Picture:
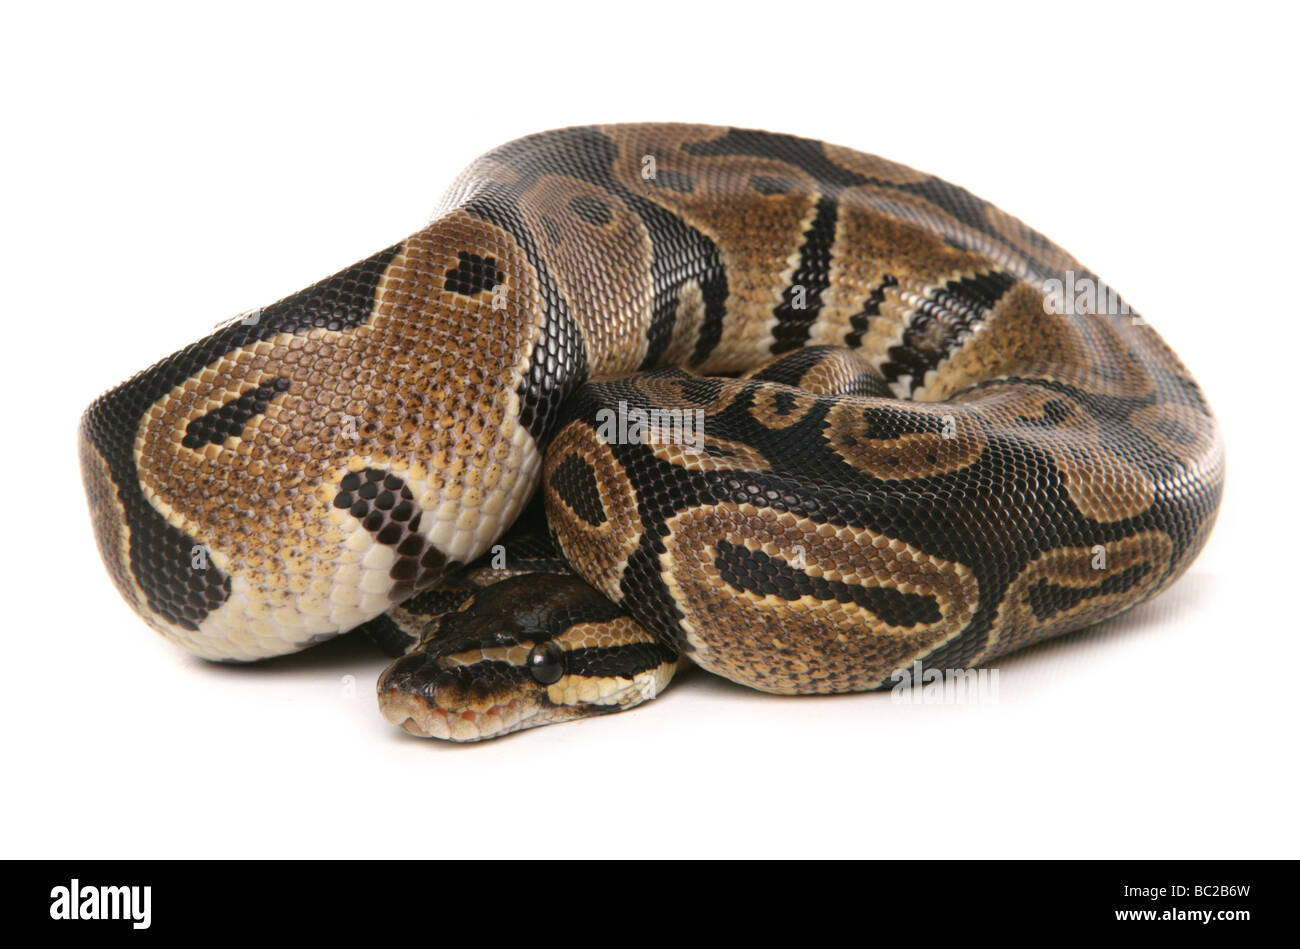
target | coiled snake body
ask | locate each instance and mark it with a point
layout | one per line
(800, 414)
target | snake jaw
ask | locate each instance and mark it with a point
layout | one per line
(440, 706)
(529, 708)
(419, 718)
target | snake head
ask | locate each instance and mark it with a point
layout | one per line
(524, 652)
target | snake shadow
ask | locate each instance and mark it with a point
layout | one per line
(354, 654)
(349, 653)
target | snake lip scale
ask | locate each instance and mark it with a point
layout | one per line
(648, 394)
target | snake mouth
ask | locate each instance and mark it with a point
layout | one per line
(417, 717)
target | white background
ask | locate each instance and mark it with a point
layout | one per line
(164, 170)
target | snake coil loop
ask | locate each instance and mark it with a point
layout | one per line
(802, 415)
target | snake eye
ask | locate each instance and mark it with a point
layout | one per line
(546, 662)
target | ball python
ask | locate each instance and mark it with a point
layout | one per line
(797, 414)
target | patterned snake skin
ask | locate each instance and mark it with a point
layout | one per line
(801, 415)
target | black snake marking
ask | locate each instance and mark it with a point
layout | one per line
(799, 414)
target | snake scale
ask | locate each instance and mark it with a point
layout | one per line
(798, 414)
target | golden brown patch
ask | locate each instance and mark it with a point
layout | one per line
(1103, 484)
(873, 166)
(598, 553)
(757, 233)
(1110, 364)
(810, 644)
(1073, 587)
(871, 246)
(620, 631)
(713, 454)
(425, 389)
(573, 223)
(841, 372)
(687, 323)
(778, 406)
(679, 430)
(956, 441)
(680, 391)
(1022, 339)
(1032, 245)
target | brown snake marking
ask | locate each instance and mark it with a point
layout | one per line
(908, 452)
